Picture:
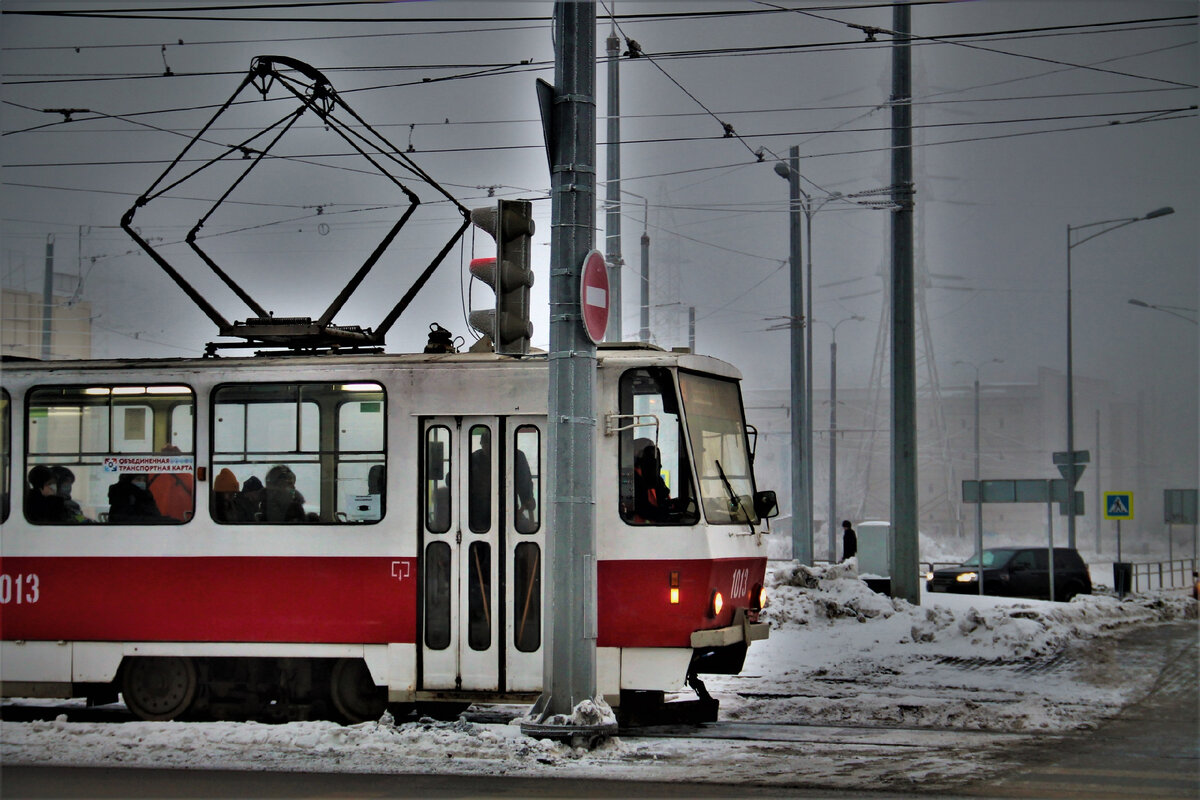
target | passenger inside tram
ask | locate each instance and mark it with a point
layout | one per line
(173, 491)
(130, 500)
(42, 503)
(226, 506)
(282, 502)
(65, 479)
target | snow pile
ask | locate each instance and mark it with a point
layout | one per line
(957, 625)
(594, 713)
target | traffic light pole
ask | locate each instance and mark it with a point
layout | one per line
(570, 634)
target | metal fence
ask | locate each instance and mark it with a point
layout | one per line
(1175, 574)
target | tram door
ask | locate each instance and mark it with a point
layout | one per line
(481, 552)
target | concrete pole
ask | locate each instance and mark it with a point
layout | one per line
(802, 538)
(979, 504)
(48, 298)
(644, 333)
(1072, 475)
(1098, 497)
(833, 448)
(612, 204)
(570, 630)
(906, 552)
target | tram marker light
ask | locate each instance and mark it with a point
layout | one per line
(715, 606)
(510, 223)
(673, 584)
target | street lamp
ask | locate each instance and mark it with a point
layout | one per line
(1172, 310)
(1109, 225)
(978, 486)
(801, 423)
(833, 434)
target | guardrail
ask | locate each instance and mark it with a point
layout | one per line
(1176, 574)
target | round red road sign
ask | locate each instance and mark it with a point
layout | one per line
(593, 296)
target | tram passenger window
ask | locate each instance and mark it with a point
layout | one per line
(437, 595)
(5, 458)
(437, 479)
(479, 601)
(479, 480)
(298, 453)
(111, 454)
(655, 477)
(527, 476)
(527, 614)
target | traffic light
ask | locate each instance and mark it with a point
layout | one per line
(510, 223)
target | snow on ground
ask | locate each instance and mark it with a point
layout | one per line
(994, 671)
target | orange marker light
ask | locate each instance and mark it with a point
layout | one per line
(673, 583)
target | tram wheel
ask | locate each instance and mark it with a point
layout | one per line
(354, 693)
(159, 688)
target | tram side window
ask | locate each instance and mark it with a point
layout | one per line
(299, 453)
(655, 478)
(437, 479)
(527, 479)
(5, 455)
(114, 454)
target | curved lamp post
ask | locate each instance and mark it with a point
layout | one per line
(801, 201)
(978, 486)
(1106, 226)
(1172, 310)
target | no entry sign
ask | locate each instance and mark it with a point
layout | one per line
(593, 296)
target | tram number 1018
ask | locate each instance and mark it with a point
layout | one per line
(19, 588)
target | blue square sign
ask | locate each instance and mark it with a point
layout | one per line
(1118, 505)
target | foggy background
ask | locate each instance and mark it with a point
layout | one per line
(1028, 117)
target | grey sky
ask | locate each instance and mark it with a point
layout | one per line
(992, 208)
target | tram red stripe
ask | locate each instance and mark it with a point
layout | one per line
(634, 599)
(209, 599)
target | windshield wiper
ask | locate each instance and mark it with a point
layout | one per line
(735, 502)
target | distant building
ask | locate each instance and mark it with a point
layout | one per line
(21, 320)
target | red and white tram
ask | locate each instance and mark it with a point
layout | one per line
(286, 536)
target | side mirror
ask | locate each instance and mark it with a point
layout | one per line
(765, 504)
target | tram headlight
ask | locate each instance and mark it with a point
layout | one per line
(758, 598)
(716, 604)
(762, 597)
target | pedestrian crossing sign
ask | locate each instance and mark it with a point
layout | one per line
(1118, 505)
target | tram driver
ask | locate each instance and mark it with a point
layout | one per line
(651, 496)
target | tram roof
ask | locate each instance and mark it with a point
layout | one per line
(619, 355)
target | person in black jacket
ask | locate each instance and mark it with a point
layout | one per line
(849, 541)
(130, 500)
(42, 503)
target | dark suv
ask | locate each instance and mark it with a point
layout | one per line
(1016, 572)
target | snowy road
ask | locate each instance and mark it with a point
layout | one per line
(880, 695)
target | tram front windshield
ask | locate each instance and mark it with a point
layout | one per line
(717, 430)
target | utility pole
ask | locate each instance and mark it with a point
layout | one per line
(48, 298)
(802, 538)
(569, 676)
(612, 204)
(905, 552)
(644, 333)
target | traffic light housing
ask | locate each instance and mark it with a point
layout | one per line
(510, 223)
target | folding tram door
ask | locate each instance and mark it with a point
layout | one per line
(481, 548)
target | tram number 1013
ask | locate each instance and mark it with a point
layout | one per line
(741, 583)
(19, 588)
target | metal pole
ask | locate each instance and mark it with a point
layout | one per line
(1050, 536)
(802, 539)
(833, 446)
(904, 397)
(644, 333)
(808, 362)
(978, 505)
(48, 298)
(612, 229)
(1071, 474)
(570, 632)
(692, 328)
(1098, 496)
